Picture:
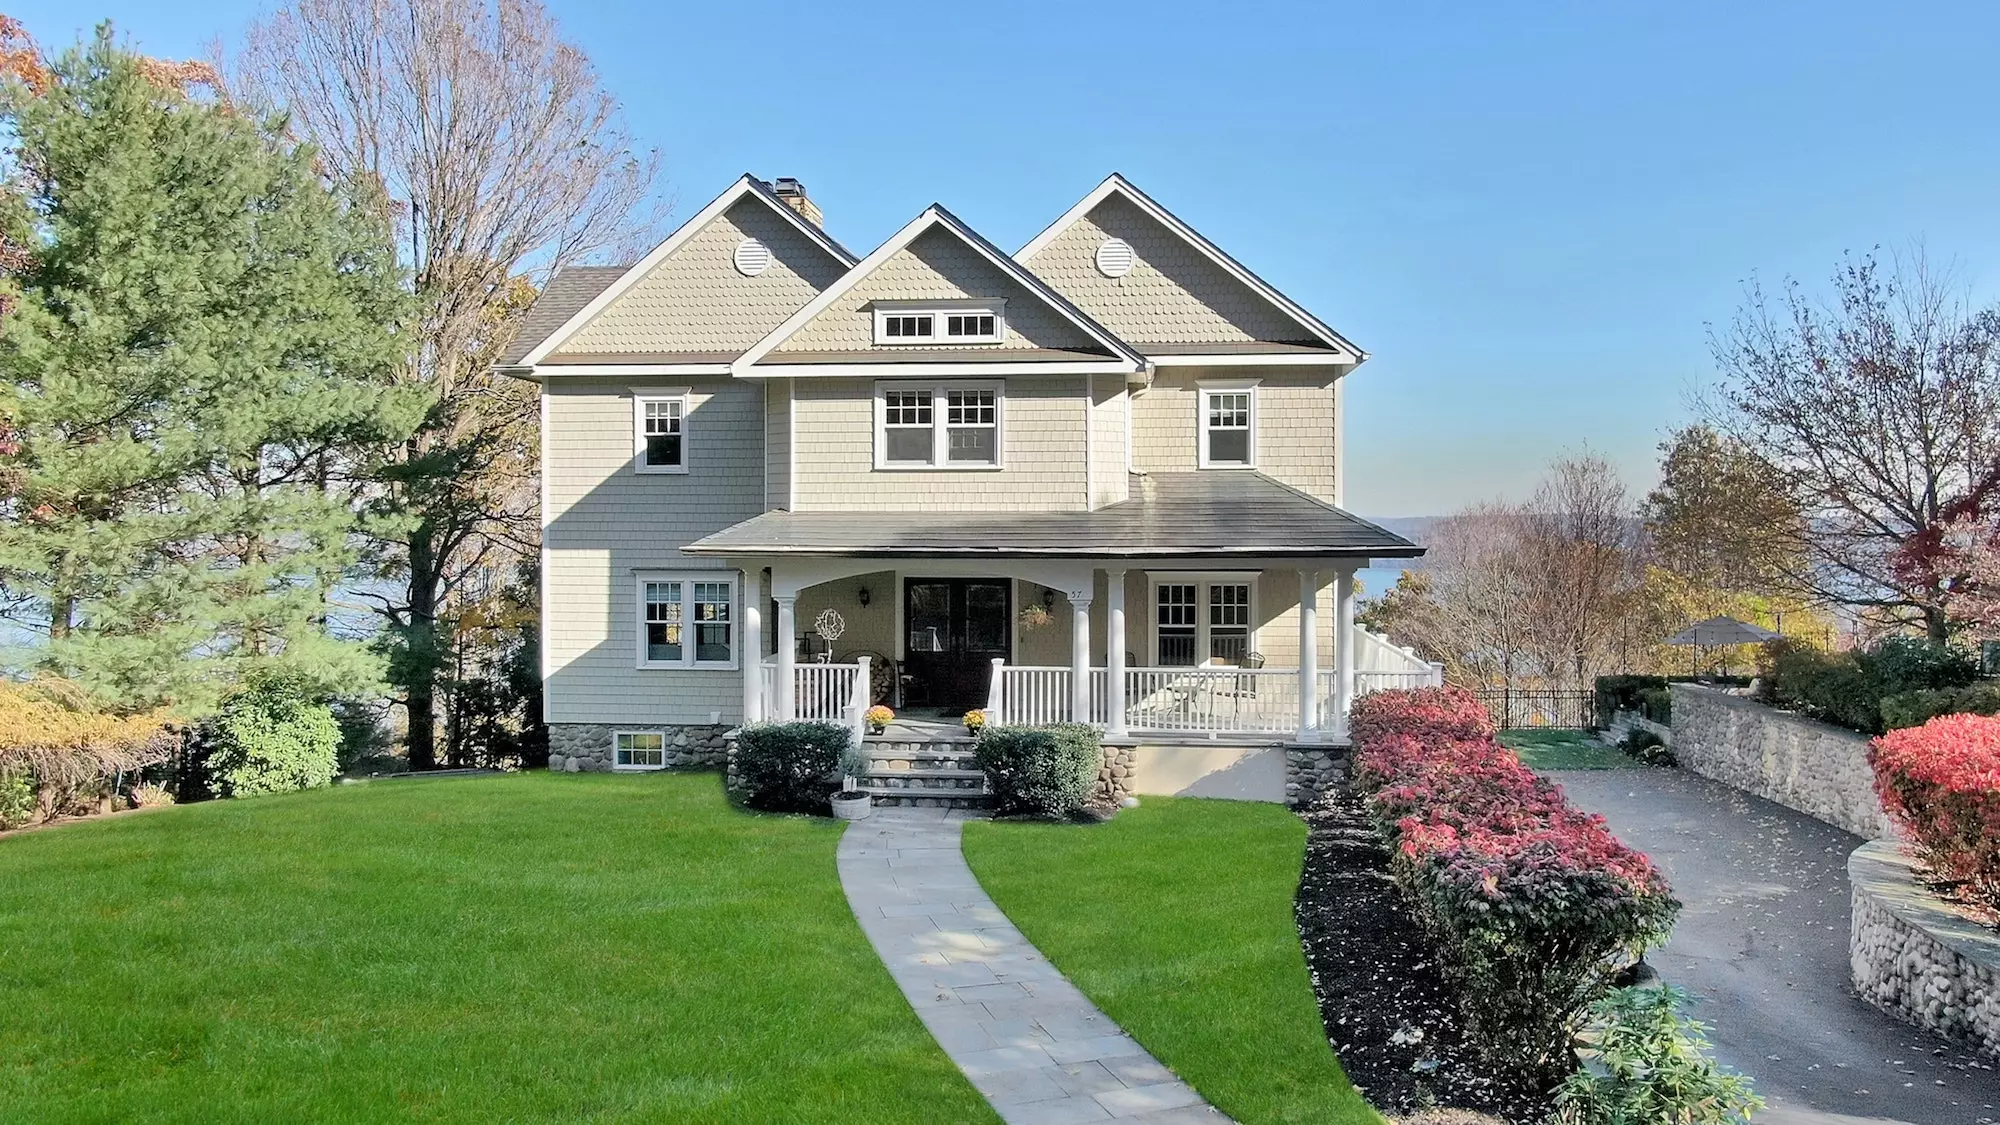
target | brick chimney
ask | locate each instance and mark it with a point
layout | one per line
(794, 195)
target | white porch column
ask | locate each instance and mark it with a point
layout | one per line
(785, 707)
(1079, 655)
(750, 644)
(1308, 655)
(1343, 647)
(1114, 652)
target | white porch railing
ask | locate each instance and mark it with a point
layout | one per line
(1199, 701)
(830, 693)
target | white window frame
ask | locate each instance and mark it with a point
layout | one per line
(940, 425)
(640, 400)
(939, 311)
(1204, 390)
(1201, 581)
(687, 579)
(626, 767)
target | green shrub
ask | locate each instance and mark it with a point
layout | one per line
(1657, 704)
(1915, 708)
(1646, 1062)
(1622, 693)
(273, 736)
(1648, 748)
(17, 800)
(790, 767)
(1849, 688)
(1041, 771)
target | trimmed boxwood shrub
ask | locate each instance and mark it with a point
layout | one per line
(1941, 783)
(791, 767)
(1915, 708)
(1533, 903)
(1041, 771)
(273, 736)
(1624, 693)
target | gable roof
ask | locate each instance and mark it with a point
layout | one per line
(1311, 328)
(936, 219)
(527, 351)
(570, 289)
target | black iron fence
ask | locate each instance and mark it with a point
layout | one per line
(1550, 708)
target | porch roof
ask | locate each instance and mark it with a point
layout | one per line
(1170, 515)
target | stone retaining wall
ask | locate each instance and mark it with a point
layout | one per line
(1623, 723)
(1311, 771)
(1114, 780)
(1818, 769)
(586, 747)
(1915, 958)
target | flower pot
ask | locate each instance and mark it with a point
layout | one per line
(851, 804)
(877, 728)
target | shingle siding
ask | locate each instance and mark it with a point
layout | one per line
(1043, 427)
(696, 301)
(1110, 482)
(777, 443)
(936, 265)
(1295, 423)
(605, 522)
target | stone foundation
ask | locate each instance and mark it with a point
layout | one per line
(586, 747)
(1311, 771)
(1915, 958)
(1818, 769)
(1114, 780)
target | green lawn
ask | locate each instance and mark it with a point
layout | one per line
(1565, 750)
(520, 948)
(1176, 919)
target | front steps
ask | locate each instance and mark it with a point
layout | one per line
(924, 773)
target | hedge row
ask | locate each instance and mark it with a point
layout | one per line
(1853, 689)
(1941, 782)
(1534, 905)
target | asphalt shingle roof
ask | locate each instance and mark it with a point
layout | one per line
(1169, 515)
(568, 291)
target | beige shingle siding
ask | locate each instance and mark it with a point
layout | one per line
(606, 521)
(1174, 293)
(936, 265)
(696, 301)
(1295, 423)
(777, 443)
(1043, 424)
(1109, 481)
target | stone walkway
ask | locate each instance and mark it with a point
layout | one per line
(1027, 1038)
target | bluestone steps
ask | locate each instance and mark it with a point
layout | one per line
(927, 773)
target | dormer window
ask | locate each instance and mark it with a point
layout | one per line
(940, 322)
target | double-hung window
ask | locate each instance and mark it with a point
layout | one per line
(1203, 619)
(939, 425)
(687, 620)
(659, 432)
(1228, 425)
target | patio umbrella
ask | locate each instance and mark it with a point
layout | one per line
(1720, 631)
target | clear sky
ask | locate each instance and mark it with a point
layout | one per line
(1527, 212)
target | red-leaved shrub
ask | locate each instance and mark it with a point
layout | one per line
(1941, 782)
(1531, 900)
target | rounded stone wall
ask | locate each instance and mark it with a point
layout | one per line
(1311, 771)
(1114, 778)
(1915, 958)
(586, 747)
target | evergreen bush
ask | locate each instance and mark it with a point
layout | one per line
(1915, 708)
(17, 799)
(791, 767)
(272, 736)
(1646, 1062)
(1849, 688)
(1041, 771)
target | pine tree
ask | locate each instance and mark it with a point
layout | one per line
(203, 343)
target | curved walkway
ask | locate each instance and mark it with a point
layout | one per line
(1028, 1039)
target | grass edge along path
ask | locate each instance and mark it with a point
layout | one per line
(531, 947)
(1176, 919)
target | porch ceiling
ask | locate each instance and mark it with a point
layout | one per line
(1170, 515)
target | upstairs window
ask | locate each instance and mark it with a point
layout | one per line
(1228, 427)
(687, 620)
(953, 425)
(659, 438)
(940, 322)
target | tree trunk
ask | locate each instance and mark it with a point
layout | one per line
(420, 688)
(1937, 626)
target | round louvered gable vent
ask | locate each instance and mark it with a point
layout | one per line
(752, 257)
(1114, 257)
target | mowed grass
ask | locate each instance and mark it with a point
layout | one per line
(1176, 919)
(1565, 750)
(519, 948)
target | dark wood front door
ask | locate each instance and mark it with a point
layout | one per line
(954, 628)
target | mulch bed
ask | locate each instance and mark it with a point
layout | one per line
(1390, 1013)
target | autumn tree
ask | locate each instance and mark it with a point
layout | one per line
(505, 160)
(1721, 517)
(200, 358)
(1875, 410)
(1577, 544)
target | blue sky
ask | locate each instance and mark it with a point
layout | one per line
(1527, 212)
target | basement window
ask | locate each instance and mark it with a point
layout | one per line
(639, 750)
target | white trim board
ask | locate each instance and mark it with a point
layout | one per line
(746, 185)
(1118, 184)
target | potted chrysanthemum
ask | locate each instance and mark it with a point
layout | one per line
(878, 718)
(975, 721)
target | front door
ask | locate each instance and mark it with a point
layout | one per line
(956, 627)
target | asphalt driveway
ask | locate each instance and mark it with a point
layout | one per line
(1762, 941)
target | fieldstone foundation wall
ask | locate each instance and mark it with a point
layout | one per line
(1818, 769)
(1311, 771)
(1114, 780)
(1915, 958)
(586, 747)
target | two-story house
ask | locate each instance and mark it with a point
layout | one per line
(1097, 479)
